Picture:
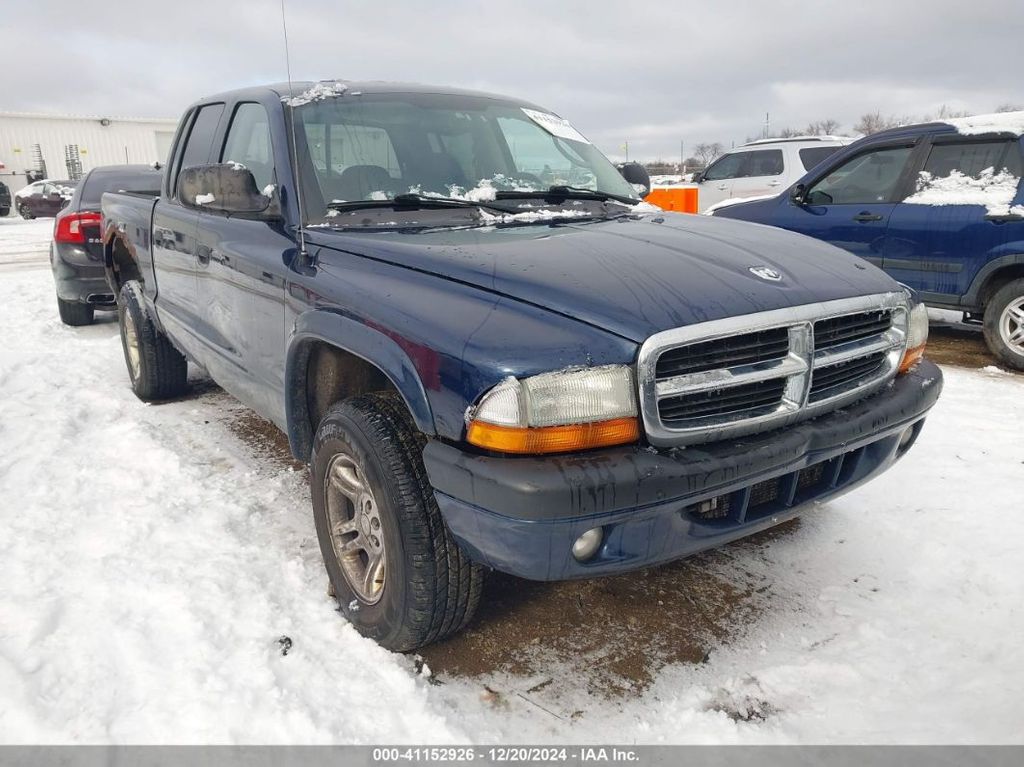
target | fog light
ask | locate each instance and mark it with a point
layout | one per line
(587, 544)
(906, 438)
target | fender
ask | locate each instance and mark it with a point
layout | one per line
(972, 298)
(368, 343)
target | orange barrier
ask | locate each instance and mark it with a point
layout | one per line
(681, 199)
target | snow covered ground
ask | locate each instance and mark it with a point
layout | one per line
(151, 557)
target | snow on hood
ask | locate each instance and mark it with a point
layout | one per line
(995, 191)
(1001, 122)
(736, 200)
(325, 90)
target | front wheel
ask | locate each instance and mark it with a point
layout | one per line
(399, 576)
(26, 214)
(157, 370)
(1004, 324)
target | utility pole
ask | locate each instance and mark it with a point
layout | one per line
(682, 157)
(767, 125)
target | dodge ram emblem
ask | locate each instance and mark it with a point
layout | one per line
(765, 273)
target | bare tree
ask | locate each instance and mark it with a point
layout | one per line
(945, 112)
(708, 152)
(826, 127)
(1009, 108)
(873, 122)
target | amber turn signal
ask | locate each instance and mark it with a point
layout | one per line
(553, 439)
(910, 358)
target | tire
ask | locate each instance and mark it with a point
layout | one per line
(1004, 324)
(74, 313)
(25, 213)
(428, 588)
(156, 369)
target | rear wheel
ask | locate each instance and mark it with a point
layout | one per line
(74, 313)
(397, 573)
(157, 370)
(1004, 324)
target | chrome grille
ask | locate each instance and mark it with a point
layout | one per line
(760, 371)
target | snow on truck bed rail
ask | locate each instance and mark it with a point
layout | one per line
(152, 559)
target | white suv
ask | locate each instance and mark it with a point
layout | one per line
(762, 168)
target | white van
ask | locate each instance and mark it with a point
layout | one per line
(762, 168)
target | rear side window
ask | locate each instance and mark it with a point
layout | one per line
(812, 155)
(199, 145)
(973, 158)
(762, 162)
(248, 143)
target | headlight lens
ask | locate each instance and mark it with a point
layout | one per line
(917, 337)
(558, 412)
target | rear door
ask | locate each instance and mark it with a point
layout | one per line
(241, 276)
(174, 234)
(849, 204)
(941, 235)
(761, 173)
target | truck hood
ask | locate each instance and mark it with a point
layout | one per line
(631, 276)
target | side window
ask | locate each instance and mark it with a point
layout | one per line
(726, 167)
(812, 155)
(762, 162)
(199, 145)
(867, 178)
(48, 189)
(973, 158)
(248, 143)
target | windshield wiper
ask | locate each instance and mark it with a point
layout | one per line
(414, 201)
(562, 192)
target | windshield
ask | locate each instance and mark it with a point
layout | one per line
(375, 146)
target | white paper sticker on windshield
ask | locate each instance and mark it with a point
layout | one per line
(556, 126)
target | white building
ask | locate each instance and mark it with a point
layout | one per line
(71, 145)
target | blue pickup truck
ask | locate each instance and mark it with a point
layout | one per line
(490, 353)
(939, 206)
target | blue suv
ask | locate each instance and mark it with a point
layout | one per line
(938, 206)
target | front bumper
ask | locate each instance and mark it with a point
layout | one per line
(521, 515)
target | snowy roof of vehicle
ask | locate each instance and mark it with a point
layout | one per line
(999, 123)
(791, 139)
(359, 87)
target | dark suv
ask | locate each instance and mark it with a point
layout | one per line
(76, 254)
(5, 200)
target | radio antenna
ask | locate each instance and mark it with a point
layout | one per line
(291, 123)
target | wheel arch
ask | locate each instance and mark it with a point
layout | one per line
(120, 262)
(992, 277)
(332, 357)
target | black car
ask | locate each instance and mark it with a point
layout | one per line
(76, 253)
(44, 198)
(5, 200)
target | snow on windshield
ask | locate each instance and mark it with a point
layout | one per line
(1002, 122)
(995, 191)
(319, 92)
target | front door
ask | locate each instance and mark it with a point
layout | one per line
(849, 206)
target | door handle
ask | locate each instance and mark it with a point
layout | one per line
(723, 187)
(774, 183)
(1003, 218)
(862, 217)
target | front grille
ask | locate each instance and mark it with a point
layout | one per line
(751, 373)
(717, 403)
(850, 327)
(830, 380)
(745, 349)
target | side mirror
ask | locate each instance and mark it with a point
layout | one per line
(697, 177)
(636, 174)
(797, 194)
(225, 188)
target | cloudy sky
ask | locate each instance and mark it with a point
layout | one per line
(652, 74)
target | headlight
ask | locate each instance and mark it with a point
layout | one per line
(917, 337)
(557, 412)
